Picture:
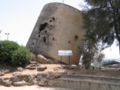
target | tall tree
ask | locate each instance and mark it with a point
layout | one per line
(102, 21)
(91, 52)
(102, 25)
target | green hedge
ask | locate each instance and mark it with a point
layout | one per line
(6, 50)
(21, 56)
(13, 54)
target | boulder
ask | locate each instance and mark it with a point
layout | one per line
(15, 79)
(40, 77)
(16, 73)
(41, 68)
(19, 83)
(57, 75)
(20, 69)
(42, 59)
(31, 66)
(30, 79)
(1, 81)
(50, 75)
(43, 82)
(1, 73)
(33, 62)
(6, 83)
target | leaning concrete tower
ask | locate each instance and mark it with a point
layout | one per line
(59, 27)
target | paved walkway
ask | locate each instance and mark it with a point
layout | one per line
(31, 88)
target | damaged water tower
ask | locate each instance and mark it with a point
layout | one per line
(59, 27)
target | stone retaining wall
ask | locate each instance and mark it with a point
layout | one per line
(80, 84)
(27, 79)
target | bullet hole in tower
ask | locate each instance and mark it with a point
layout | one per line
(45, 31)
(33, 43)
(52, 19)
(76, 37)
(43, 26)
(44, 39)
(53, 39)
(69, 42)
(39, 35)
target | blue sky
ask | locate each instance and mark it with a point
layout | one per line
(18, 18)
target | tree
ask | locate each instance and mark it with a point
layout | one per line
(98, 57)
(91, 53)
(102, 25)
(102, 21)
(88, 52)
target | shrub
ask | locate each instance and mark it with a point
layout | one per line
(6, 50)
(21, 56)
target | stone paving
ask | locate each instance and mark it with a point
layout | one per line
(32, 88)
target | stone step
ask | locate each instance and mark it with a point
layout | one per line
(100, 79)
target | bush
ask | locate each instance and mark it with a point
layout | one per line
(6, 50)
(21, 56)
(13, 54)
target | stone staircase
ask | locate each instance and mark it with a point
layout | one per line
(87, 82)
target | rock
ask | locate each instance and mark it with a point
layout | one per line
(41, 59)
(31, 66)
(57, 68)
(41, 68)
(39, 77)
(6, 83)
(6, 71)
(20, 83)
(30, 79)
(44, 60)
(15, 79)
(50, 75)
(39, 56)
(16, 73)
(34, 81)
(74, 67)
(33, 62)
(70, 73)
(23, 77)
(43, 82)
(70, 67)
(57, 75)
(42, 79)
(20, 69)
(1, 81)
(52, 83)
(2, 73)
